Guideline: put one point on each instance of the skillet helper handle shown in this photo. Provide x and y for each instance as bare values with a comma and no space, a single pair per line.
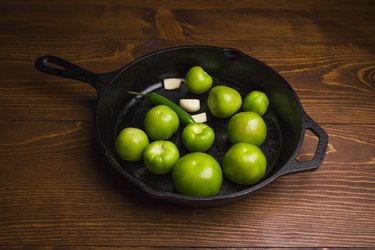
59,67
293,165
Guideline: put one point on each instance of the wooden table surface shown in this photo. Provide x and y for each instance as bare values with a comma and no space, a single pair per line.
58,191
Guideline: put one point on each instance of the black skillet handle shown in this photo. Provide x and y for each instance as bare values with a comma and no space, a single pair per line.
59,67
293,165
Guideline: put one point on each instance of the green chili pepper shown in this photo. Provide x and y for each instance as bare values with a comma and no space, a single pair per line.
157,99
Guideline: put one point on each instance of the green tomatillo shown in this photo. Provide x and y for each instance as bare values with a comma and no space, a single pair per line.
161,122
198,137
130,144
197,80
223,101
256,101
244,164
247,127
160,156
197,174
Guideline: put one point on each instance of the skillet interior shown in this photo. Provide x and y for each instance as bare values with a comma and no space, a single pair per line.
117,109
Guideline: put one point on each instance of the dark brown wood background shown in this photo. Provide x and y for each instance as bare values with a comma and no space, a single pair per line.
57,190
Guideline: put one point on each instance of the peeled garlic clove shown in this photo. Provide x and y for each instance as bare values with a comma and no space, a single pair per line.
172,83
200,118
190,105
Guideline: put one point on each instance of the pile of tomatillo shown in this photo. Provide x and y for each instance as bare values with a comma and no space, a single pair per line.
198,173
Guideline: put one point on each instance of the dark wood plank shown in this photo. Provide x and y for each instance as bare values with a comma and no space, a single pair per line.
64,193
316,22
337,80
360,5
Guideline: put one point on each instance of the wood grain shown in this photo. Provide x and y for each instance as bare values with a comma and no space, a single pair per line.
317,22
66,174
57,191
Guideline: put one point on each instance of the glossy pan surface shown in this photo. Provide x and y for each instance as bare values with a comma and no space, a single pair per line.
286,120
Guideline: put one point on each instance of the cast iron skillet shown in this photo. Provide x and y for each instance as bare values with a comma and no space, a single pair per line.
286,120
